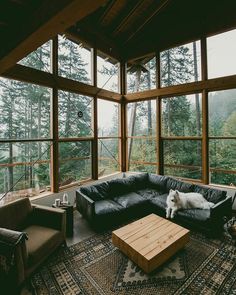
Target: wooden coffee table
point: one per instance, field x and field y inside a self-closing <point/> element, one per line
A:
<point x="150" y="241"/>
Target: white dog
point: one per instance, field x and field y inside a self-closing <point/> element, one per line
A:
<point x="177" y="200"/>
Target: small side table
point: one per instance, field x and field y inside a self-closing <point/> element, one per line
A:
<point x="69" y="217"/>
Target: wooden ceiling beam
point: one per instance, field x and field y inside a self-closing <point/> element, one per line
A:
<point x="25" y="74"/>
<point x="162" y="4"/>
<point x="188" y="88"/>
<point x="52" y="18"/>
<point x="94" y="38"/>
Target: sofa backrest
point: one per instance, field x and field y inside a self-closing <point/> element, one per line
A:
<point x="14" y="215"/>
<point x="157" y="182"/>
<point x="210" y="194"/>
<point x="179" y="185"/>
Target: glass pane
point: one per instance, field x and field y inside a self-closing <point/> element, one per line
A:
<point x="74" y="61"/>
<point x="181" y="64"/>
<point x="183" y="158"/>
<point x="108" y="118"/>
<point x="108" y="156"/>
<point x="141" y="74"/>
<point x="222" y="160"/>
<point x="25" y="110"/>
<point x="108" y="73"/>
<point x="39" y="59"/>
<point x="142" y="118"/>
<point x="74" y="162"/>
<point x="74" y="114"/>
<point x="222" y="113"/>
<point x="221" y="57"/>
<point x="182" y="115"/>
<point x="142" y="154"/>
<point x="24" y="168"/>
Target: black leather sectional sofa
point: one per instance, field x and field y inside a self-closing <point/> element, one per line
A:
<point x="118" y="200"/>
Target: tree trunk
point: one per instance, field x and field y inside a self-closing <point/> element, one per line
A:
<point x="10" y="126"/>
<point x="168" y="106"/>
<point x="149" y="106"/>
<point x="133" y="116"/>
<point x="198" y="115"/>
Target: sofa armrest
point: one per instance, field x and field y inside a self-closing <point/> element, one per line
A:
<point x="222" y="209"/>
<point x="49" y="217"/>
<point x="85" y="205"/>
<point x="13" y="253"/>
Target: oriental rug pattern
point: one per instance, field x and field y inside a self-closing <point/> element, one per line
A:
<point x="95" y="266"/>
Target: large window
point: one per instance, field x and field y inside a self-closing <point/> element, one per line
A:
<point x="182" y="115"/>
<point x="39" y="59"/>
<point x="221" y="54"/>
<point x="108" y="138"/>
<point x="74" y="162"/>
<point x="181" y="64"/>
<point x="74" y="114"/>
<point x="108" y="73"/>
<point x="141" y="74"/>
<point x="142" y="146"/>
<point x="74" y="61"/>
<point x="24" y="138"/>
<point x="222" y="132"/>
<point x="25" y="110"/>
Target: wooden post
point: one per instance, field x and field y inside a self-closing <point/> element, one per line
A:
<point x="95" y="122"/>
<point x="54" y="173"/>
<point x="159" y="149"/>
<point x="123" y="122"/>
<point x="205" y="139"/>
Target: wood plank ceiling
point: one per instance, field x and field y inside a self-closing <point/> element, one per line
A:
<point x="132" y="28"/>
<point x="124" y="29"/>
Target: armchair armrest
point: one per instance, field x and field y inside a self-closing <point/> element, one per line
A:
<point x="223" y="209"/>
<point x="13" y="254"/>
<point x="49" y="217"/>
<point x="85" y="205"/>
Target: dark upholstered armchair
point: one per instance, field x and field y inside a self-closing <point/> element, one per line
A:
<point x="45" y="231"/>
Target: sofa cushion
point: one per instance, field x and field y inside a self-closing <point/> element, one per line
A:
<point x="148" y="193"/>
<point x="157" y="182"/>
<point x="121" y="186"/>
<point x="91" y="192"/>
<point x="210" y="194"/>
<point x="41" y="241"/>
<point x="179" y="185"/>
<point x="105" y="207"/>
<point x="141" y="181"/>
<point x="130" y="200"/>
<point x="194" y="215"/>
<point x="159" y="202"/>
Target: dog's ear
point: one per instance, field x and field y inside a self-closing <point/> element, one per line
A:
<point x="177" y="193"/>
<point x="171" y="191"/>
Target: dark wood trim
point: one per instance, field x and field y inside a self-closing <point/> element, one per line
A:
<point x="109" y="137"/>
<point x="221" y="83"/>
<point x="34" y="76"/>
<point x="222" y="137"/>
<point x="160" y="156"/>
<point x="73" y="139"/>
<point x="35" y="31"/>
<point x="15" y="140"/>
<point x="95" y="141"/>
<point x="204" y="59"/>
<point x="123" y="146"/>
<point x="181" y="138"/>
<point x="205" y="141"/>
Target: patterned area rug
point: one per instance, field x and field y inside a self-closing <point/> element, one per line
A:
<point x="95" y="266"/>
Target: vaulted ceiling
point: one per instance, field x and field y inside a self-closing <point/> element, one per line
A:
<point x="125" y="29"/>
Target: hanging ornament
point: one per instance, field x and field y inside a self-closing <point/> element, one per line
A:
<point x="80" y="114"/>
